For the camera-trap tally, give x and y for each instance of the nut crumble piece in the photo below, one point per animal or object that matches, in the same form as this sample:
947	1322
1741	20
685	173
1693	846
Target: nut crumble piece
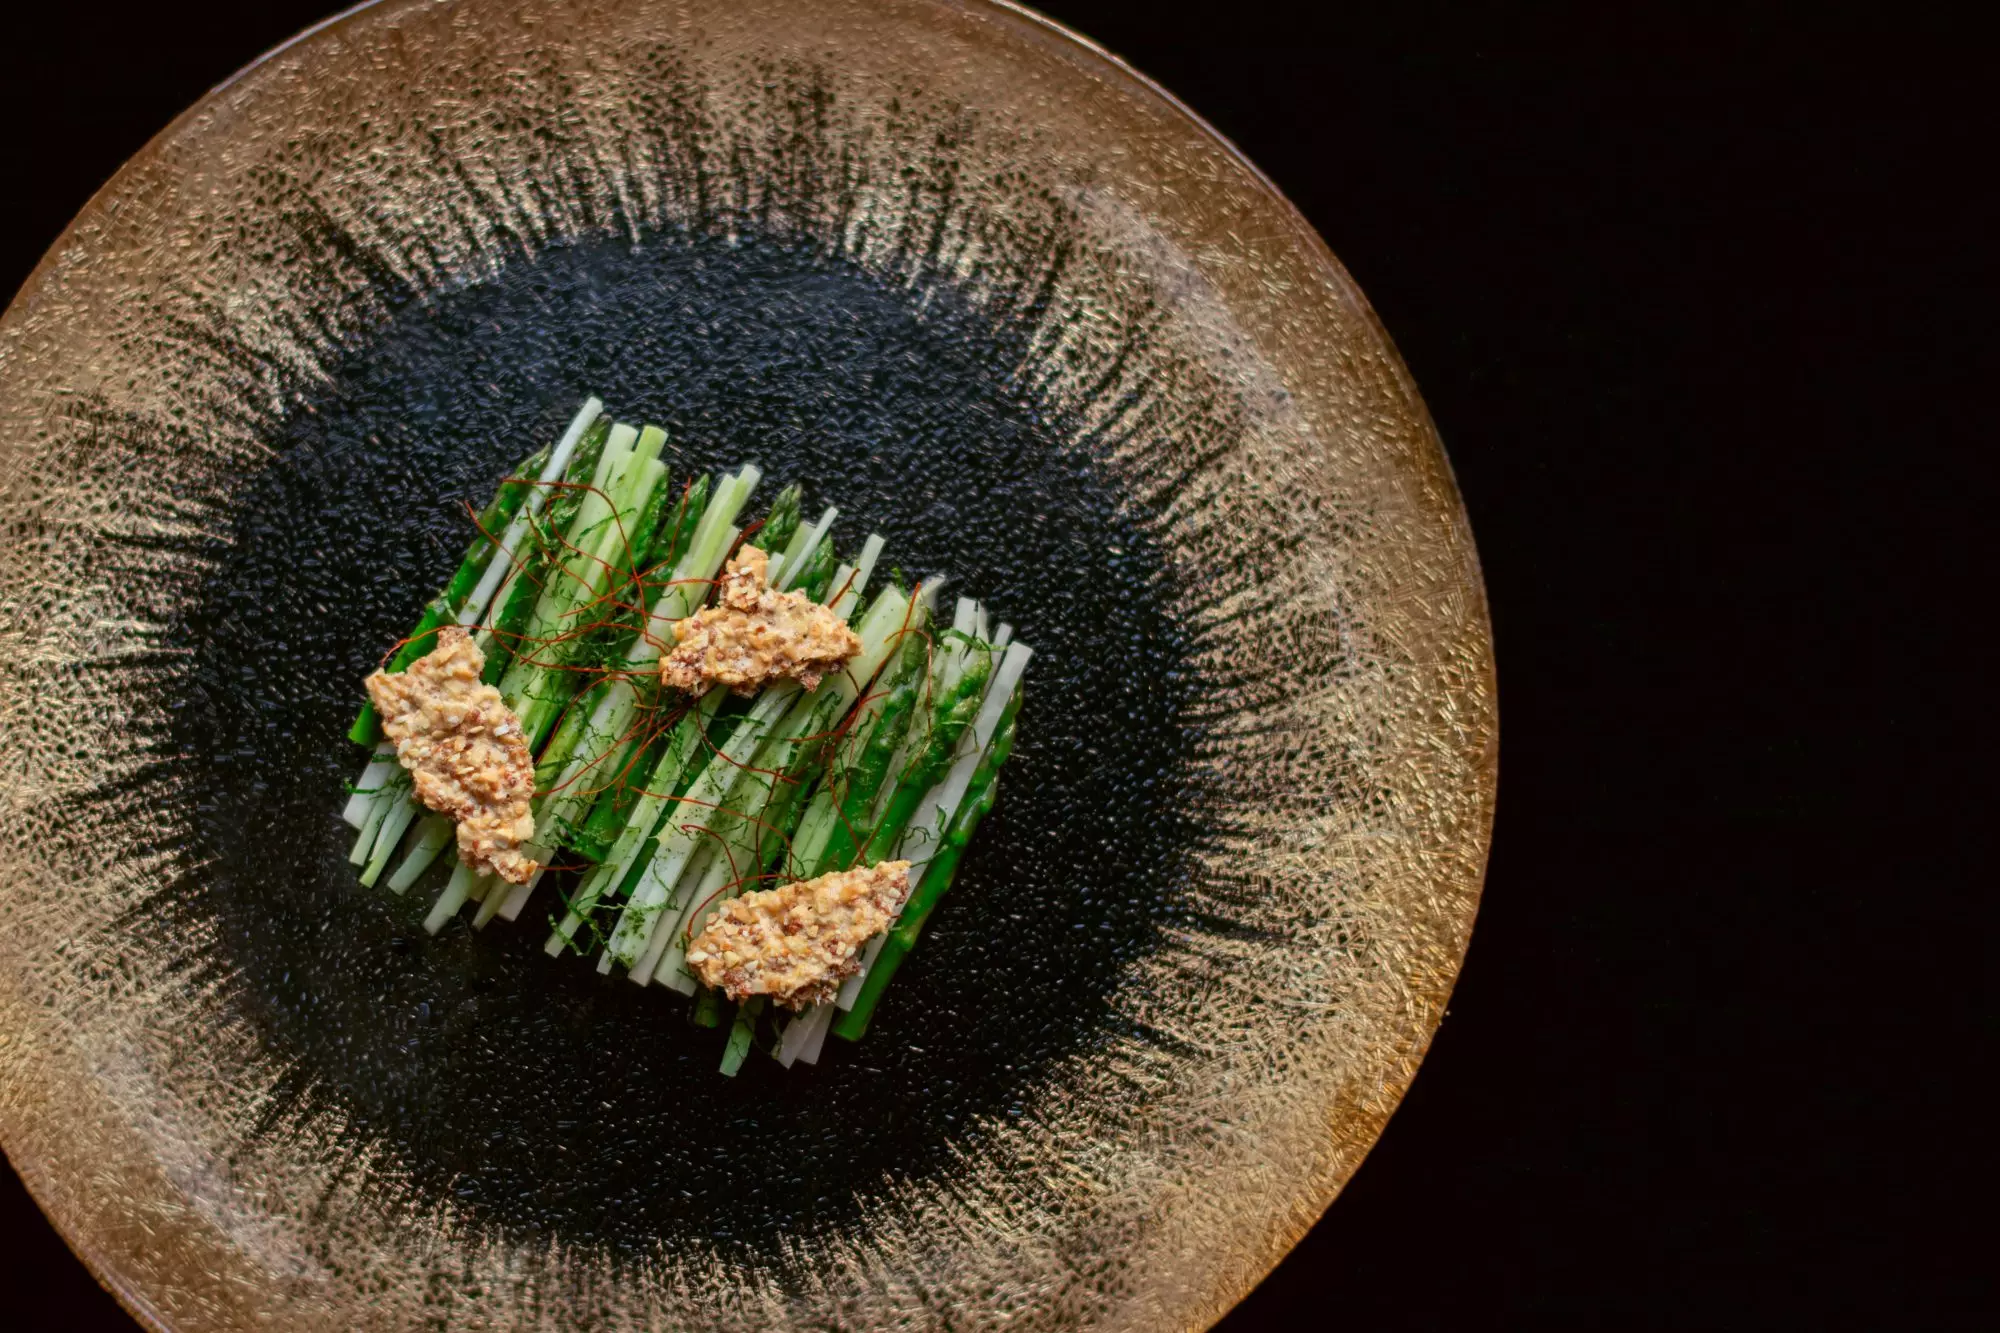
756	635
797	943
465	752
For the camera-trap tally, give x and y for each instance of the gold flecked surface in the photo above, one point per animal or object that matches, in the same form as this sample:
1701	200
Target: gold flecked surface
1348	754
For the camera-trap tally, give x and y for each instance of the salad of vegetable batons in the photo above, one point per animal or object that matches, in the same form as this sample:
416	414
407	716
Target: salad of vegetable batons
744	775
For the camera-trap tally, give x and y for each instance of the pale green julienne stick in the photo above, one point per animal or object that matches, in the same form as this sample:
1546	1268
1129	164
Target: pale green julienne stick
433	835
394	825
456	890
741	833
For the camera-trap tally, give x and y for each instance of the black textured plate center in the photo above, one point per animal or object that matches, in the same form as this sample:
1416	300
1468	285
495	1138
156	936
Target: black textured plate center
539	1094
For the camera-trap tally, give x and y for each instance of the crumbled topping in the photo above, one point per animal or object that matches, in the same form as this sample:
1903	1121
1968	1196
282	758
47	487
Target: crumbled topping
797	943
756	635
465	752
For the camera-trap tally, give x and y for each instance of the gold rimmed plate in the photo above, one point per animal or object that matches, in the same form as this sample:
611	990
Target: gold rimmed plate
955	270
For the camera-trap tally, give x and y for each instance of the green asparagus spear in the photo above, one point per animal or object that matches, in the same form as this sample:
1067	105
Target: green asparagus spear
514	603
624	775
657	512
781	523
954	712
857	785
937	878
773	798
443	609
673	539
582	467
815	578
491	523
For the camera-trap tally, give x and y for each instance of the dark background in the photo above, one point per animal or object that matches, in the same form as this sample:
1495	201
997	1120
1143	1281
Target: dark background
1694	299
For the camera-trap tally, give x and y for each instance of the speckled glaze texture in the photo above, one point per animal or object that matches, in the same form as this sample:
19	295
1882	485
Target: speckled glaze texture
898	249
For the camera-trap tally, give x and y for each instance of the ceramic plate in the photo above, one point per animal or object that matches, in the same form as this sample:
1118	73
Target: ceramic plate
952	268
